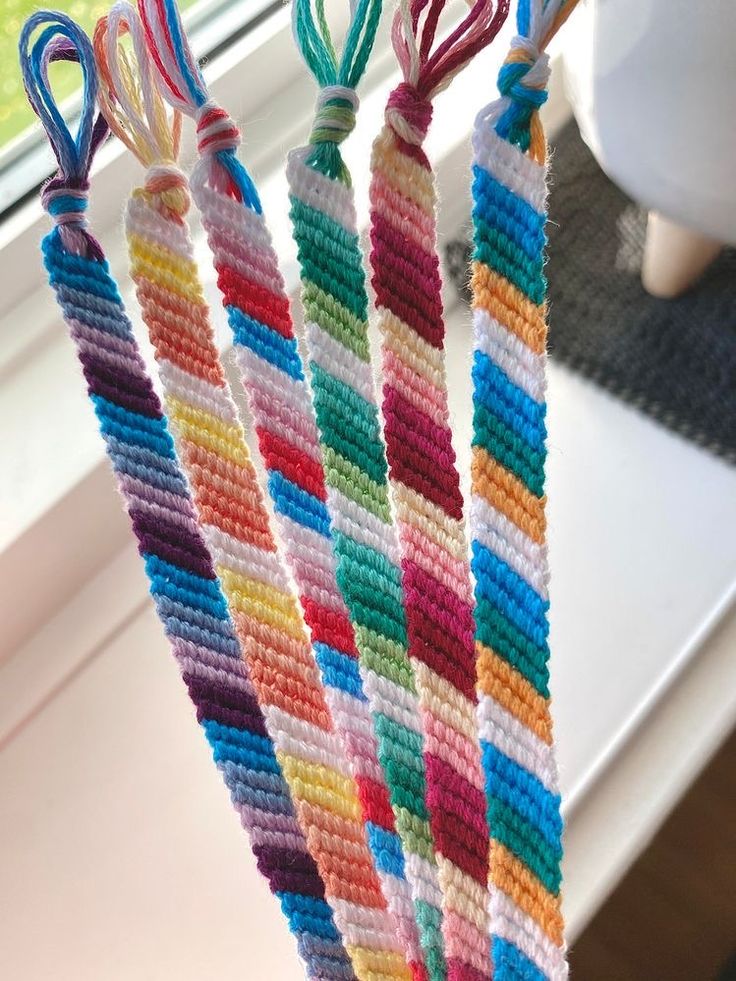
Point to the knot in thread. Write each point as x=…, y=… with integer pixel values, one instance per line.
x=216, y=130
x=168, y=183
x=408, y=114
x=66, y=205
x=335, y=115
x=524, y=76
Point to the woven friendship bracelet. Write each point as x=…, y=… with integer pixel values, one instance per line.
x=423, y=475
x=258, y=313
x=507, y=517
x=183, y=585
x=212, y=446
x=335, y=307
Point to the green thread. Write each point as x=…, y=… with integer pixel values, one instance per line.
x=385, y=657
x=336, y=116
x=496, y=250
x=509, y=448
x=495, y=631
x=335, y=302
x=355, y=485
x=336, y=320
x=524, y=840
x=341, y=278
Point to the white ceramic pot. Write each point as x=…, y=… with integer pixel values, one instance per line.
x=653, y=87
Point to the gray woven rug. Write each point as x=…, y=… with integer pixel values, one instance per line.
x=673, y=359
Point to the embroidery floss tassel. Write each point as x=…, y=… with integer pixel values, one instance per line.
x=183, y=584
x=211, y=444
x=507, y=518
x=423, y=475
x=270, y=365
x=335, y=307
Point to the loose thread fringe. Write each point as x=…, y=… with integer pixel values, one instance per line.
x=233, y=515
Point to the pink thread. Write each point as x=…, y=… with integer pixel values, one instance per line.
x=408, y=114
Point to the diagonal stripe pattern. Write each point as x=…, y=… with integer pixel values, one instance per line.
x=507, y=520
x=369, y=574
x=279, y=400
x=258, y=310
x=235, y=524
x=423, y=475
x=183, y=585
x=188, y=599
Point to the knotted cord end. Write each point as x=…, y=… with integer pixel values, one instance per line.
x=408, y=114
x=522, y=81
x=65, y=195
x=334, y=119
x=66, y=205
x=167, y=184
x=216, y=130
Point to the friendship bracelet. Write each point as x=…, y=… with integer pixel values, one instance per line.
x=423, y=475
x=335, y=307
x=212, y=446
x=271, y=370
x=507, y=518
x=183, y=584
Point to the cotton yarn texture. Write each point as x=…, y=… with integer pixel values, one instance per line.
x=258, y=312
x=373, y=680
x=507, y=518
x=212, y=447
x=423, y=477
x=335, y=306
x=182, y=580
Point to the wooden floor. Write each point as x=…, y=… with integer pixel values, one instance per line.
x=673, y=918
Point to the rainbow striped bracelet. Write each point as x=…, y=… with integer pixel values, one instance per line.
x=507, y=517
x=183, y=584
x=423, y=476
x=235, y=524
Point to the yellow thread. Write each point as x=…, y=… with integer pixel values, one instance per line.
x=207, y=431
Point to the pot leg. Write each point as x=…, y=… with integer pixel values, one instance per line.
x=674, y=257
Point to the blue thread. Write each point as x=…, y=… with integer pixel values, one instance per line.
x=225, y=644
x=199, y=96
x=177, y=584
x=518, y=601
x=66, y=203
x=130, y=427
x=282, y=352
x=314, y=912
x=297, y=504
x=485, y=186
x=522, y=791
x=339, y=670
x=239, y=746
x=386, y=850
x=511, y=403
x=510, y=964
x=72, y=153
